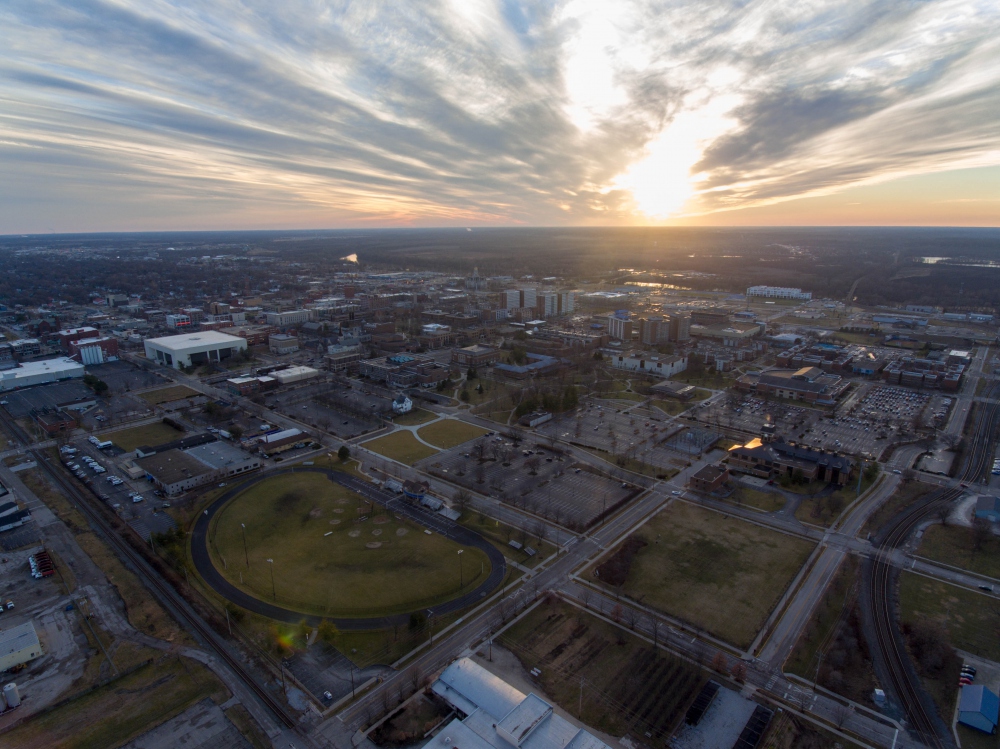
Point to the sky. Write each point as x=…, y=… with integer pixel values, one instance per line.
x=124, y=115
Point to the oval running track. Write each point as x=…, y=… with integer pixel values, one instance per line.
x=203, y=562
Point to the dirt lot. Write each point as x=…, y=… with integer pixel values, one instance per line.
x=720, y=573
x=628, y=687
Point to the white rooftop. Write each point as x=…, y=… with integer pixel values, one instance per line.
x=200, y=338
x=18, y=638
x=501, y=717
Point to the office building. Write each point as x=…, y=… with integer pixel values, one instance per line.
x=292, y=317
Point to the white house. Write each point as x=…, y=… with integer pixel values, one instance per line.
x=401, y=404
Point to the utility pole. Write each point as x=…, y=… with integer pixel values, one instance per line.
x=246, y=554
x=274, y=594
x=461, y=573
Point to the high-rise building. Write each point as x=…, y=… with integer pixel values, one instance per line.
x=619, y=328
x=654, y=331
x=680, y=326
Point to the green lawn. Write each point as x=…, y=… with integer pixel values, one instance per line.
x=150, y=435
x=971, y=618
x=414, y=417
x=952, y=544
x=449, y=433
x=327, y=561
x=721, y=574
x=401, y=446
x=112, y=714
x=165, y=395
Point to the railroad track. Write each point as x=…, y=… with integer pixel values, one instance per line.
x=916, y=702
x=150, y=578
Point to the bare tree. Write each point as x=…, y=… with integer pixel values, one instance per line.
x=981, y=533
x=841, y=713
x=585, y=596
x=532, y=463
x=654, y=624
x=415, y=675
x=631, y=617
x=462, y=499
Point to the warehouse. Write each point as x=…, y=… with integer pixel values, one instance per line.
x=277, y=442
x=18, y=645
x=40, y=373
x=193, y=348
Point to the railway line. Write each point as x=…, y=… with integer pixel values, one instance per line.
x=882, y=576
x=163, y=590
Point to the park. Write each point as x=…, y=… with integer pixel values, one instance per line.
x=304, y=543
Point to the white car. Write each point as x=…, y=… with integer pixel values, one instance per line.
x=676, y=493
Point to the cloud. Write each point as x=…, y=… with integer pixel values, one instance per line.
x=162, y=114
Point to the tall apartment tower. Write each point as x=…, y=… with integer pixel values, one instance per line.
x=654, y=331
x=619, y=328
x=680, y=326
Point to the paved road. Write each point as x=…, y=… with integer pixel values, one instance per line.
x=203, y=561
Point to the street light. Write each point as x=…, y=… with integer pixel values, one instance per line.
x=246, y=554
x=461, y=575
x=274, y=595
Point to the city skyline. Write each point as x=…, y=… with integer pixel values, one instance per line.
x=129, y=117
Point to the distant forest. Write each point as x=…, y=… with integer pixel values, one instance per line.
x=885, y=263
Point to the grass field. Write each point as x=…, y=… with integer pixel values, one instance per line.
x=153, y=434
x=500, y=534
x=328, y=562
x=413, y=418
x=126, y=707
x=628, y=686
x=952, y=544
x=721, y=574
x=764, y=501
x=401, y=446
x=970, y=618
x=448, y=433
x=165, y=395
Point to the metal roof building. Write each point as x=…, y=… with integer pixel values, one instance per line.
x=978, y=707
x=498, y=716
x=18, y=645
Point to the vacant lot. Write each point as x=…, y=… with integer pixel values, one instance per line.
x=153, y=434
x=165, y=395
x=970, y=618
x=953, y=544
x=628, y=686
x=721, y=574
x=331, y=556
x=401, y=446
x=124, y=708
x=764, y=501
x=414, y=417
x=448, y=433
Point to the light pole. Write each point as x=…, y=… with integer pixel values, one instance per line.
x=461, y=574
x=274, y=595
x=246, y=554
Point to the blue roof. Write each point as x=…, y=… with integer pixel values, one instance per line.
x=976, y=698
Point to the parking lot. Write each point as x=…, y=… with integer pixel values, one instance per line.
x=561, y=490
x=340, y=412
x=122, y=377
x=20, y=403
x=145, y=516
x=322, y=668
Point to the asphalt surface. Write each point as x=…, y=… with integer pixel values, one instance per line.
x=459, y=534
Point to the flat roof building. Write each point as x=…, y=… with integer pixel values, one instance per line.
x=193, y=348
x=40, y=373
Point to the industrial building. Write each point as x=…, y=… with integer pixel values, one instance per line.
x=495, y=715
x=779, y=292
x=277, y=442
x=18, y=645
x=40, y=373
x=176, y=471
x=193, y=348
x=978, y=708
